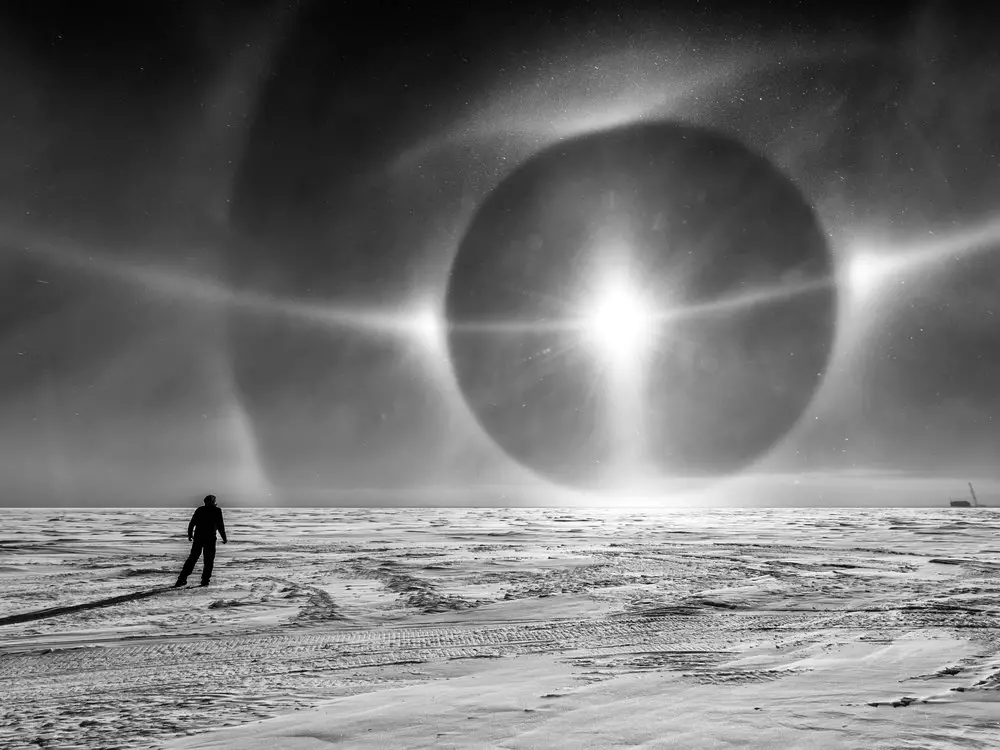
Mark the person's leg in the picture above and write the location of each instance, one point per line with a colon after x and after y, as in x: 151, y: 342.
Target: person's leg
x: 208, y: 563
x: 189, y: 563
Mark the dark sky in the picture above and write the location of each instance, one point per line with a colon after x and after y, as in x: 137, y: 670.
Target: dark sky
x: 226, y: 231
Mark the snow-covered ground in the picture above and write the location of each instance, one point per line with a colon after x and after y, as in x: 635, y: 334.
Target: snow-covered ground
x: 514, y: 628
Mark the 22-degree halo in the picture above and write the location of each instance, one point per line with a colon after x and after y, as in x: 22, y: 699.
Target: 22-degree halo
x: 718, y: 242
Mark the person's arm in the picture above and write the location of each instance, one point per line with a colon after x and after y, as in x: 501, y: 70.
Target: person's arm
x: 222, y: 528
x: 191, y: 524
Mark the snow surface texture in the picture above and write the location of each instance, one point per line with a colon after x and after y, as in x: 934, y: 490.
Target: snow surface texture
x: 513, y: 628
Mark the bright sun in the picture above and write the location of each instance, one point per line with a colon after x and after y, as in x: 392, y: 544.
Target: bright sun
x: 620, y: 323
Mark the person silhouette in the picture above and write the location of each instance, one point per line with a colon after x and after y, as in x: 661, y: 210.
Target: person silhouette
x: 201, y: 532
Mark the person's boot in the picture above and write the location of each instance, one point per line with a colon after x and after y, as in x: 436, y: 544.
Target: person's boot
x: 180, y: 582
x: 203, y: 583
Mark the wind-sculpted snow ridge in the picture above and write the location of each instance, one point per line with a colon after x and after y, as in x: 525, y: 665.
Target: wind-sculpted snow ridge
x: 521, y: 628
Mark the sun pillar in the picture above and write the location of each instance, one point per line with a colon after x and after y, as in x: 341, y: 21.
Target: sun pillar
x: 620, y: 328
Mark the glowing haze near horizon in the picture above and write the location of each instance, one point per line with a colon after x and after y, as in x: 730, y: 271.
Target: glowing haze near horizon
x: 165, y: 174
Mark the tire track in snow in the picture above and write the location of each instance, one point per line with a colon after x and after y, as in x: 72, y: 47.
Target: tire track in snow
x: 143, y: 687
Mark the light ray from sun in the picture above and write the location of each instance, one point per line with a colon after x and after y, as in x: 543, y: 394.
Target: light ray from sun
x: 182, y: 285
x: 721, y: 305
x: 865, y: 275
x: 875, y: 265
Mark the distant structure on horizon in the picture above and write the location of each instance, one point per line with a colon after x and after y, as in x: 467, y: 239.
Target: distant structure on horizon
x: 966, y: 503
